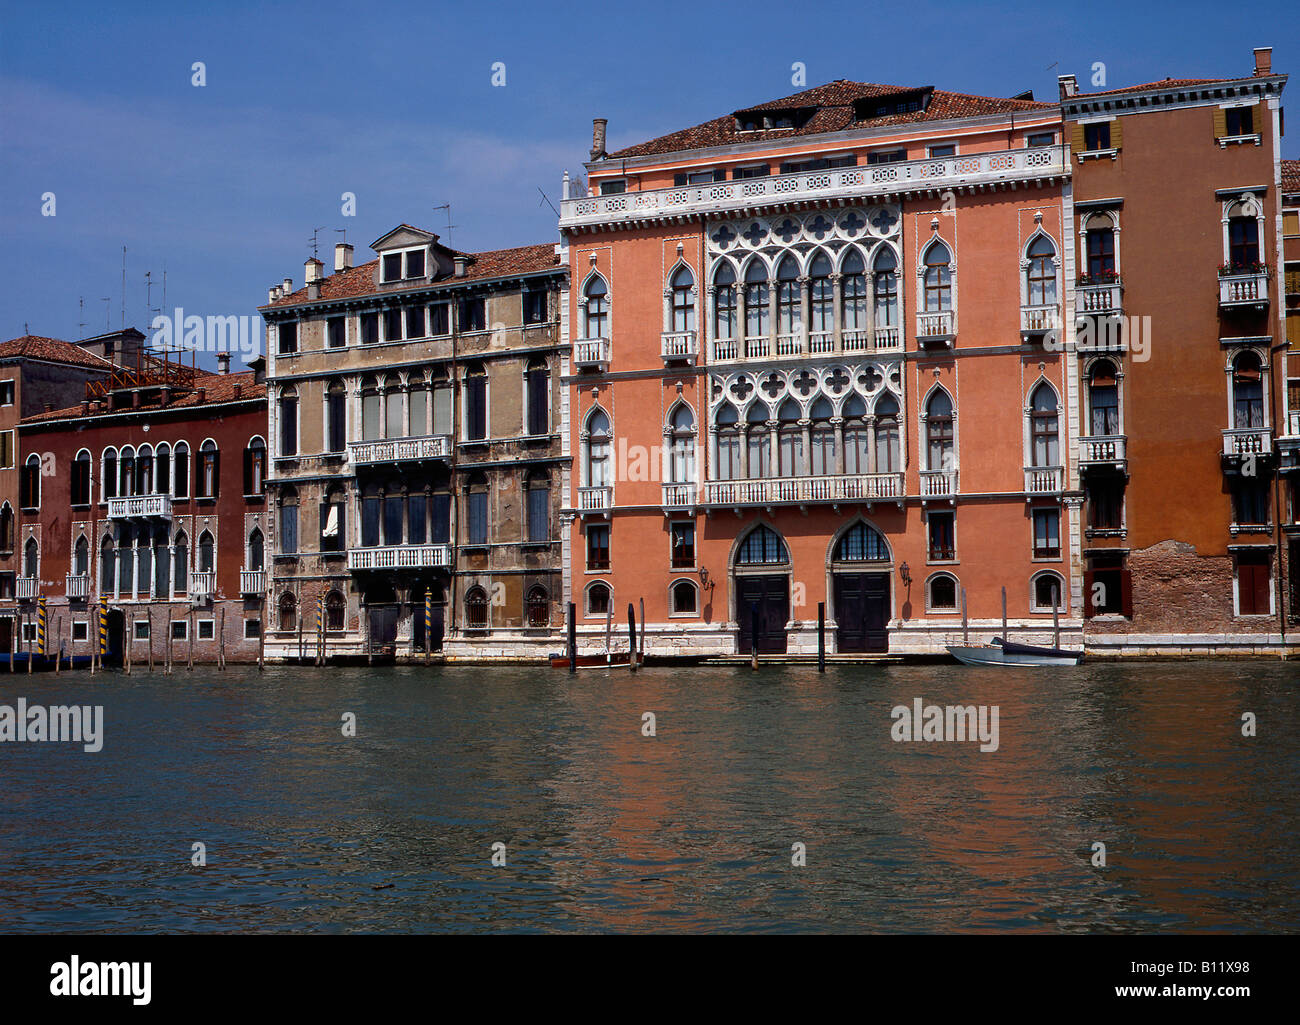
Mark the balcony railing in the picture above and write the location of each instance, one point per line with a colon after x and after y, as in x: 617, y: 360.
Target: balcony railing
x: 679, y: 496
x: 1043, y: 480
x: 596, y: 499
x: 814, y: 343
x: 852, y: 183
x: 821, y: 342
x: 1103, y: 450
x: 789, y: 344
x: 25, y: 587
x: 1293, y: 423
x: 400, y: 450
x: 1247, y: 441
x: 1037, y: 320
x: 203, y: 583
x: 1243, y: 289
x: 252, y: 581
x: 140, y: 507
x: 1099, y: 300
x: 938, y: 325
x: 857, y: 487
x: 678, y: 345
x: 725, y: 349
x: 938, y: 483
x: 77, y: 585
x: 591, y: 353
x: 758, y: 347
x: 400, y: 557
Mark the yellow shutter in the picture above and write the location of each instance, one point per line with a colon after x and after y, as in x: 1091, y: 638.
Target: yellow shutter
x: 1293, y: 328
x: 1116, y: 134
x: 1291, y: 222
x: 1220, y: 122
x: 1262, y: 118
x: 1076, y: 139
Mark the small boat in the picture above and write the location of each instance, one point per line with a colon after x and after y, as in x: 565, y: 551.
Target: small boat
x: 1008, y: 653
x: 618, y: 658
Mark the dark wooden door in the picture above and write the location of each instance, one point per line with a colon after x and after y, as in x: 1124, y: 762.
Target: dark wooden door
x: 116, y: 635
x: 862, y: 611
x: 6, y: 634
x: 771, y: 597
x: 383, y: 626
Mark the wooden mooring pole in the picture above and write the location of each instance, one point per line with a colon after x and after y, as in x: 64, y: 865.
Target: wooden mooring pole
x: 821, y: 637
x: 573, y: 637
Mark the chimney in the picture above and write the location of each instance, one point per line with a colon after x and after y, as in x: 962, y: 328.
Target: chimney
x: 238, y: 392
x: 223, y: 363
x: 313, y: 290
x: 203, y: 395
x: 311, y: 270
x: 85, y: 407
x: 165, y: 396
x: 272, y: 294
x: 462, y: 265
x: 287, y: 287
x: 598, y: 137
x: 342, y: 256
x: 49, y: 407
x: 1263, y: 61
x: 1068, y: 85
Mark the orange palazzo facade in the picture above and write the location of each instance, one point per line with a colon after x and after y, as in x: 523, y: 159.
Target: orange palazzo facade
x: 816, y: 358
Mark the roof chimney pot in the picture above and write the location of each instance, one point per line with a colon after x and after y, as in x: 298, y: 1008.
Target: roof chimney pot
x: 1068, y: 86
x: 598, y: 126
x: 342, y: 256
x: 1263, y: 61
x: 223, y: 363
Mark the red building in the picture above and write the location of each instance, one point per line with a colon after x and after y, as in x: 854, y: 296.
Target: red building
x: 152, y: 499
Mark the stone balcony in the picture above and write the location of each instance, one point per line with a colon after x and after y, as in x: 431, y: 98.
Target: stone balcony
x: 390, y: 557
x: 1243, y: 290
x: 678, y: 497
x: 390, y: 451
x: 203, y: 583
x: 252, y: 581
x: 26, y: 587
x: 141, y: 507
x: 1288, y: 446
x: 1239, y: 442
x: 1036, y: 321
x: 860, y: 487
x: 77, y: 585
x: 591, y: 354
x: 599, y: 499
x: 1103, y: 451
x: 813, y: 343
x: 854, y: 184
x: 936, y: 327
x: 679, y: 346
x: 1102, y: 300
x: 1044, y: 480
x: 940, y: 484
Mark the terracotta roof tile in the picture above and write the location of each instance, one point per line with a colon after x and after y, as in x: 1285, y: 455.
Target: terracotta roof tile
x: 1168, y: 83
x: 835, y: 112
x: 494, y: 263
x: 1291, y: 175
x: 217, y: 388
x: 52, y: 350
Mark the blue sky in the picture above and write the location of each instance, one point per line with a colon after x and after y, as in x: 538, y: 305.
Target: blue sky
x: 223, y: 184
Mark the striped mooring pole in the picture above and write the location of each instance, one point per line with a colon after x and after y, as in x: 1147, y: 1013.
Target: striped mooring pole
x: 40, y: 625
x: 103, y: 628
x: 428, y: 615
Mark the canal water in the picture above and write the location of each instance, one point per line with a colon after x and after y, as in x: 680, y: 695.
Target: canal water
x: 694, y: 828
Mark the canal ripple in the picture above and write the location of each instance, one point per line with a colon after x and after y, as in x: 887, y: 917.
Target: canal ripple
x: 609, y: 830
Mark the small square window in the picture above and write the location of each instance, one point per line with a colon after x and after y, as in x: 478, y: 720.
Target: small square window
x: 439, y: 319
x: 207, y: 629
x: 947, y: 150
x: 142, y: 629
x: 29, y: 631
x: 415, y: 264
x: 252, y: 629
x: 683, y: 545
x: 534, y: 306
x: 1240, y: 120
x: 180, y: 629
x: 613, y: 188
x: 1046, y: 587
x: 392, y: 266
x: 287, y: 334
x: 369, y: 328
x: 336, y: 328
x: 80, y: 630
x: 1096, y: 135
x: 1041, y: 139
x: 6, y: 393
x: 1047, y: 534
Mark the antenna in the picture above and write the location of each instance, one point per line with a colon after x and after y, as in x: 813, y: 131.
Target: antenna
x: 447, y: 207
x: 547, y: 200
x: 105, y: 300
x: 343, y: 232
x: 315, y: 244
x: 81, y: 315
x: 124, y: 288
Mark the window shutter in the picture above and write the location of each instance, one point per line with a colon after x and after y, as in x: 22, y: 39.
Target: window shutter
x: 1116, y: 134
x: 248, y: 471
x: 1220, y: 122
x: 679, y: 179
x: 1076, y: 139
x: 720, y: 174
x: 1126, y: 593
x: 537, y: 402
x: 216, y: 474
x: 325, y: 542
x: 1089, y: 609
x: 1261, y: 575
x: 1262, y: 117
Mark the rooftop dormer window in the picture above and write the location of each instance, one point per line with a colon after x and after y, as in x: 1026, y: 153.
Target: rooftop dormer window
x: 404, y: 265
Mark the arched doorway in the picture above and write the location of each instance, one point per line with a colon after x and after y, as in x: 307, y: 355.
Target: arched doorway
x: 761, y: 573
x: 861, y: 564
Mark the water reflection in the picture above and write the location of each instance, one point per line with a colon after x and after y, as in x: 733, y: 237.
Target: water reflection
x: 607, y: 829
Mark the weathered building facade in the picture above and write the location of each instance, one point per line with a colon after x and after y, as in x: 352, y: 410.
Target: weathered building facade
x: 415, y: 457
x: 155, y: 506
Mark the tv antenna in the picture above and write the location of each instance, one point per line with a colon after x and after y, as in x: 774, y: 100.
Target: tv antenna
x: 81, y: 315
x: 107, y: 312
x: 315, y: 243
x: 447, y: 207
x: 547, y: 200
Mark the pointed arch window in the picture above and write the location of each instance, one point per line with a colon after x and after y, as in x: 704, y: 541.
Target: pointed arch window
x: 822, y: 439
x: 598, y: 442
x: 144, y: 471
x: 596, y: 314
x: 724, y: 302
x: 821, y: 296
x: 335, y: 609
x: 759, y: 436
x: 938, y: 278
x: 206, y: 554
x: 81, y: 478
x: 181, y: 471
x: 255, y: 467
x: 681, y: 460
x: 1040, y: 276
x: 81, y: 557
x: 181, y: 562
x: 31, y: 558
x: 857, y: 436
x: 288, y: 612
x: 756, y: 298
x: 789, y: 307
x: 861, y: 543
x: 256, y: 550
x: 209, y: 478
x: 476, y: 608
x: 162, y: 473
x: 108, y: 475
x: 162, y: 563
x: 683, y: 305
x: 790, y: 450
x: 762, y: 547
x: 939, y: 432
x: 29, y: 485
x: 888, y: 446
x: 1103, y: 398
x: 1247, y: 391
x: 126, y: 472
x: 107, y: 567
x: 6, y: 528
x: 885, y: 278
x: 726, y: 423
x: 1045, y: 426
x: 853, y: 291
